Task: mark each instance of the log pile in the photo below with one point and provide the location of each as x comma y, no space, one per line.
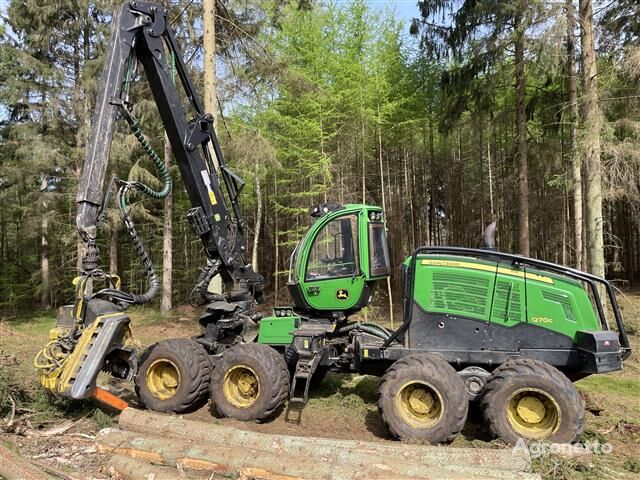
152,445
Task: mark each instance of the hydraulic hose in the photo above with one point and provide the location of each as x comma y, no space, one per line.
143,255
200,293
370,328
157,161
381,328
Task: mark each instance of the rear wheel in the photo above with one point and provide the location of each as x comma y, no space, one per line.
249,382
421,397
530,399
174,376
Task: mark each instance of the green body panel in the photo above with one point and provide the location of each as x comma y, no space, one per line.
342,293
277,330
503,294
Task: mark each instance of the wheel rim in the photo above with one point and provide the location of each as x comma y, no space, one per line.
420,405
163,379
533,413
241,386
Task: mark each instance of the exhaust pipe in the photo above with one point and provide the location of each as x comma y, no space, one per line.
489,236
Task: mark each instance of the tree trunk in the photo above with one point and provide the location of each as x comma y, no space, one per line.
576,158
258,224
492,211
521,134
113,249
433,204
209,45
167,241
592,124
384,207
210,99
276,246
45,300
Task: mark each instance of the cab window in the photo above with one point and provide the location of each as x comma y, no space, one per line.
334,252
378,250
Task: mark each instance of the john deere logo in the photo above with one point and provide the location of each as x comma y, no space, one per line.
342,294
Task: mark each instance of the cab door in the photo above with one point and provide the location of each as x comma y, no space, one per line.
333,278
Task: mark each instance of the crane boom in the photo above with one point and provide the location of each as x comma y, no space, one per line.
94,334
140,30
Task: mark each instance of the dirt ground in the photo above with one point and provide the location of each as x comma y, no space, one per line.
60,433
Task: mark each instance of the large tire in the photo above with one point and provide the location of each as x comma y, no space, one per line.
174,376
422,397
249,382
531,400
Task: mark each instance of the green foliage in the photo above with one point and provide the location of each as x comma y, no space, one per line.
632,465
102,419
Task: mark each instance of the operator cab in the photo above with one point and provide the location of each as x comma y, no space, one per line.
336,265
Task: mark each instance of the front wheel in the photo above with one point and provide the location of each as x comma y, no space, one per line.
421,397
249,382
174,376
531,400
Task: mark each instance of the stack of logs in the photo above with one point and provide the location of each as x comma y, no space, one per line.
163,447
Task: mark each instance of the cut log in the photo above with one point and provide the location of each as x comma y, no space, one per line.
14,467
130,468
178,427
261,474
228,459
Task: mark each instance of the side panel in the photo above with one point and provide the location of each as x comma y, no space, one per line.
460,339
277,330
509,301
454,286
503,295
559,305
472,305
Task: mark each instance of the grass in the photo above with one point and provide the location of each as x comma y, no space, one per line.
604,384
355,393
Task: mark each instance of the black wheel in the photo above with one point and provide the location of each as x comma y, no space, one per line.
530,399
421,397
174,376
249,382
318,376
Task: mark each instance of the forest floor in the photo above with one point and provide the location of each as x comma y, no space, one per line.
60,434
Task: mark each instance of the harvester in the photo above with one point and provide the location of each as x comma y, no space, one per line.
507,331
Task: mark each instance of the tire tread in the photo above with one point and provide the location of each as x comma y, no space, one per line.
436,368
528,366
197,364
276,369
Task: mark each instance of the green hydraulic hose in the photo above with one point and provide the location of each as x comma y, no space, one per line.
165,178
157,161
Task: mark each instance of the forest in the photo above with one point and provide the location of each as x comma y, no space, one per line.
523,113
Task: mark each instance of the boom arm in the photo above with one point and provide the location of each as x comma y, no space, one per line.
140,30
